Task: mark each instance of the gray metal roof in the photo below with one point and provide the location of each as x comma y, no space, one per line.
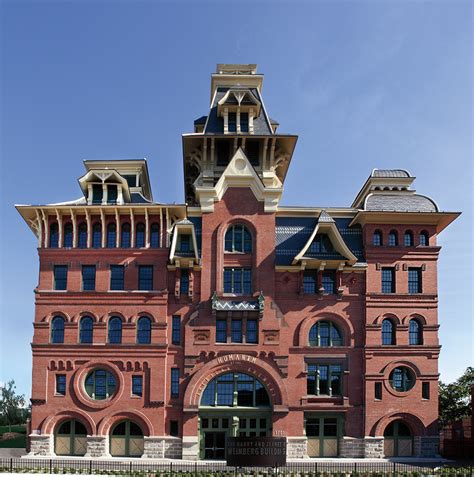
402,202
390,173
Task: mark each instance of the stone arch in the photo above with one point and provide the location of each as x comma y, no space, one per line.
49,317
236,362
106,424
345,326
413,421
51,423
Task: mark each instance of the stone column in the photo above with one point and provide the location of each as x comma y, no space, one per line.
41,445
373,447
97,446
190,448
153,448
172,447
351,447
297,447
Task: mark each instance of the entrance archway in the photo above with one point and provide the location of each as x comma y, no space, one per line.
70,438
126,440
398,440
233,404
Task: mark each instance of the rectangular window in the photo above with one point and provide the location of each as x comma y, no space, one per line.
238,281
324,379
174,428
137,386
329,281
61,384
236,335
176,330
310,280
378,391
88,277
184,243
425,390
244,122
232,122
252,332
388,280
174,382
97,193
222,151
117,273
414,280
221,331
252,151
145,277
60,277
184,282
112,194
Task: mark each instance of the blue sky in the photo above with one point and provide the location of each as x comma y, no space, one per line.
364,84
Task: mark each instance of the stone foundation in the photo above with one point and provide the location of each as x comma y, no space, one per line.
296,447
41,445
162,447
351,447
190,448
172,448
426,446
373,447
97,446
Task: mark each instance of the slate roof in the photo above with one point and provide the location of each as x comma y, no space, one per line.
201,120
215,125
390,173
399,203
292,233
137,198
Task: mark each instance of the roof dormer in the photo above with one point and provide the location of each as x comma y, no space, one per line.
238,108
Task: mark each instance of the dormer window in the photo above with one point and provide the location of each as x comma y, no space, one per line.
112,194
184,244
97,193
232,122
244,122
321,244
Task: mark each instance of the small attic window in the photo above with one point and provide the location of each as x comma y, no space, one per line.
244,122
112,194
184,244
321,244
131,180
97,193
232,122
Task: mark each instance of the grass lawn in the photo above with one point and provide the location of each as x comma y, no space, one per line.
21,428
17,442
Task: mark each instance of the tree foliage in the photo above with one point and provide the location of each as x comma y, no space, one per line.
455,398
11,404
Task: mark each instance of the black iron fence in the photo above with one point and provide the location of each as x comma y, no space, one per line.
138,468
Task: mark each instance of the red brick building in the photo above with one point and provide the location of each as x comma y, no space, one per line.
160,329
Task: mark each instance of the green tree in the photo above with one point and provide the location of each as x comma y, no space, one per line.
455,398
11,404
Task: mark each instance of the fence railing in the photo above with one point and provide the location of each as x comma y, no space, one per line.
137,467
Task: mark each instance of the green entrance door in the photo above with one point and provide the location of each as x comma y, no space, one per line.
71,438
398,440
233,404
323,434
126,440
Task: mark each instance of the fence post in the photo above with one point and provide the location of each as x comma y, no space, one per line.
90,467
195,469
394,469
50,466
355,468
11,465
130,467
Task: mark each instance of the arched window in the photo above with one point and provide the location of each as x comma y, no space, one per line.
377,238
155,236
67,235
408,239
393,238
111,235
57,330
424,239
235,389
402,379
71,438
82,242
97,235
238,239
388,332
100,384
325,333
86,330
140,235
115,330
415,332
144,330
54,235
125,239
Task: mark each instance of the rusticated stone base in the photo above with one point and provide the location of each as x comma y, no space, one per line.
97,446
41,445
190,448
426,446
373,447
172,448
296,447
162,447
351,447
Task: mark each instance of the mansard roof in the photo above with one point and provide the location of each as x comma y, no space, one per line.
400,202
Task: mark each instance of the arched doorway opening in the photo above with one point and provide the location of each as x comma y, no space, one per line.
233,404
126,440
398,440
70,438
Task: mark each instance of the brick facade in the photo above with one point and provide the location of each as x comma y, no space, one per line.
358,414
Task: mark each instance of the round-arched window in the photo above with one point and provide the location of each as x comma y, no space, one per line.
238,239
402,379
144,330
54,235
155,235
377,238
388,332
82,239
68,235
235,389
393,238
125,236
100,384
408,239
111,235
115,330
325,333
424,238
415,332
140,235
86,330
57,330
96,235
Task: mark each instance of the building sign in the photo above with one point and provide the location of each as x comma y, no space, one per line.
256,451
